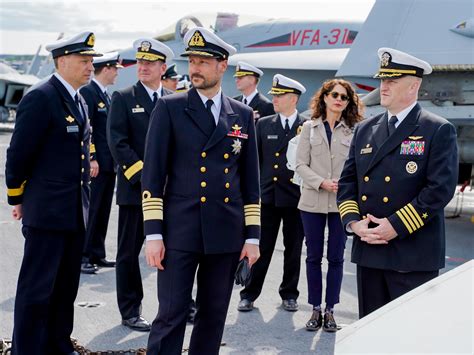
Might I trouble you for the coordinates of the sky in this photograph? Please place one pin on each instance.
(24, 25)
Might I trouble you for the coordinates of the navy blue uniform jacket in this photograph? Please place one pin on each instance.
(98, 105)
(201, 183)
(276, 181)
(408, 178)
(47, 168)
(127, 125)
(261, 104)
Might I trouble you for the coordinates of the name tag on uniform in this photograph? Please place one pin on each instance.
(102, 109)
(367, 150)
(272, 136)
(72, 129)
(138, 109)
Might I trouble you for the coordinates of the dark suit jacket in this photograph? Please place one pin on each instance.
(47, 168)
(261, 104)
(211, 200)
(275, 178)
(127, 125)
(408, 178)
(98, 105)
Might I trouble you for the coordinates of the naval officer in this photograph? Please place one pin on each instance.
(171, 78)
(127, 125)
(247, 77)
(200, 199)
(400, 174)
(47, 175)
(280, 195)
(102, 165)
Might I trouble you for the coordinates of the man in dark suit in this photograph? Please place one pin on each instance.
(127, 126)
(102, 164)
(247, 77)
(202, 146)
(400, 174)
(279, 195)
(47, 175)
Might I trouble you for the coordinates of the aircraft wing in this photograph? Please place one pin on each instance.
(423, 28)
(314, 59)
(21, 79)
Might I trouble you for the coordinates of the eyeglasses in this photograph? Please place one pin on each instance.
(335, 95)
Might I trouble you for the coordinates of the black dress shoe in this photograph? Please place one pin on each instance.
(104, 262)
(245, 305)
(315, 322)
(137, 323)
(290, 305)
(88, 268)
(329, 324)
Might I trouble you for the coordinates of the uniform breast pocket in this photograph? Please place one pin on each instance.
(344, 147)
(316, 143)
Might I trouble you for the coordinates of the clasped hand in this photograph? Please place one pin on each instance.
(381, 234)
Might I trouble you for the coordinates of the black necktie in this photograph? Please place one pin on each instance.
(107, 98)
(79, 106)
(209, 104)
(155, 98)
(391, 124)
(245, 101)
(287, 126)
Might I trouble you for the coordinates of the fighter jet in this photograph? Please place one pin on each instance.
(438, 31)
(308, 51)
(13, 85)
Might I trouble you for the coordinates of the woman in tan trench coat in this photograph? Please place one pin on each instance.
(322, 150)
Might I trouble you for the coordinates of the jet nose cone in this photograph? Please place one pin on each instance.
(465, 28)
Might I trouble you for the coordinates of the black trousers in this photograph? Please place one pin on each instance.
(47, 287)
(102, 193)
(377, 287)
(127, 268)
(293, 236)
(215, 278)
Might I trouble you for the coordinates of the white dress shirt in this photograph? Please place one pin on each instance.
(151, 92)
(250, 97)
(68, 86)
(402, 114)
(291, 119)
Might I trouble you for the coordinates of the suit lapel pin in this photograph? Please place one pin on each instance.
(70, 119)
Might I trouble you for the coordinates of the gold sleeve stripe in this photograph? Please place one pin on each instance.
(92, 149)
(252, 206)
(407, 225)
(252, 220)
(152, 203)
(135, 168)
(149, 215)
(18, 191)
(349, 211)
(410, 206)
(348, 207)
(348, 203)
(399, 214)
(412, 217)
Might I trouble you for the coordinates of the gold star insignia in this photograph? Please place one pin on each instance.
(425, 215)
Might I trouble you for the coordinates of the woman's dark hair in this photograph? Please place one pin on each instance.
(351, 114)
